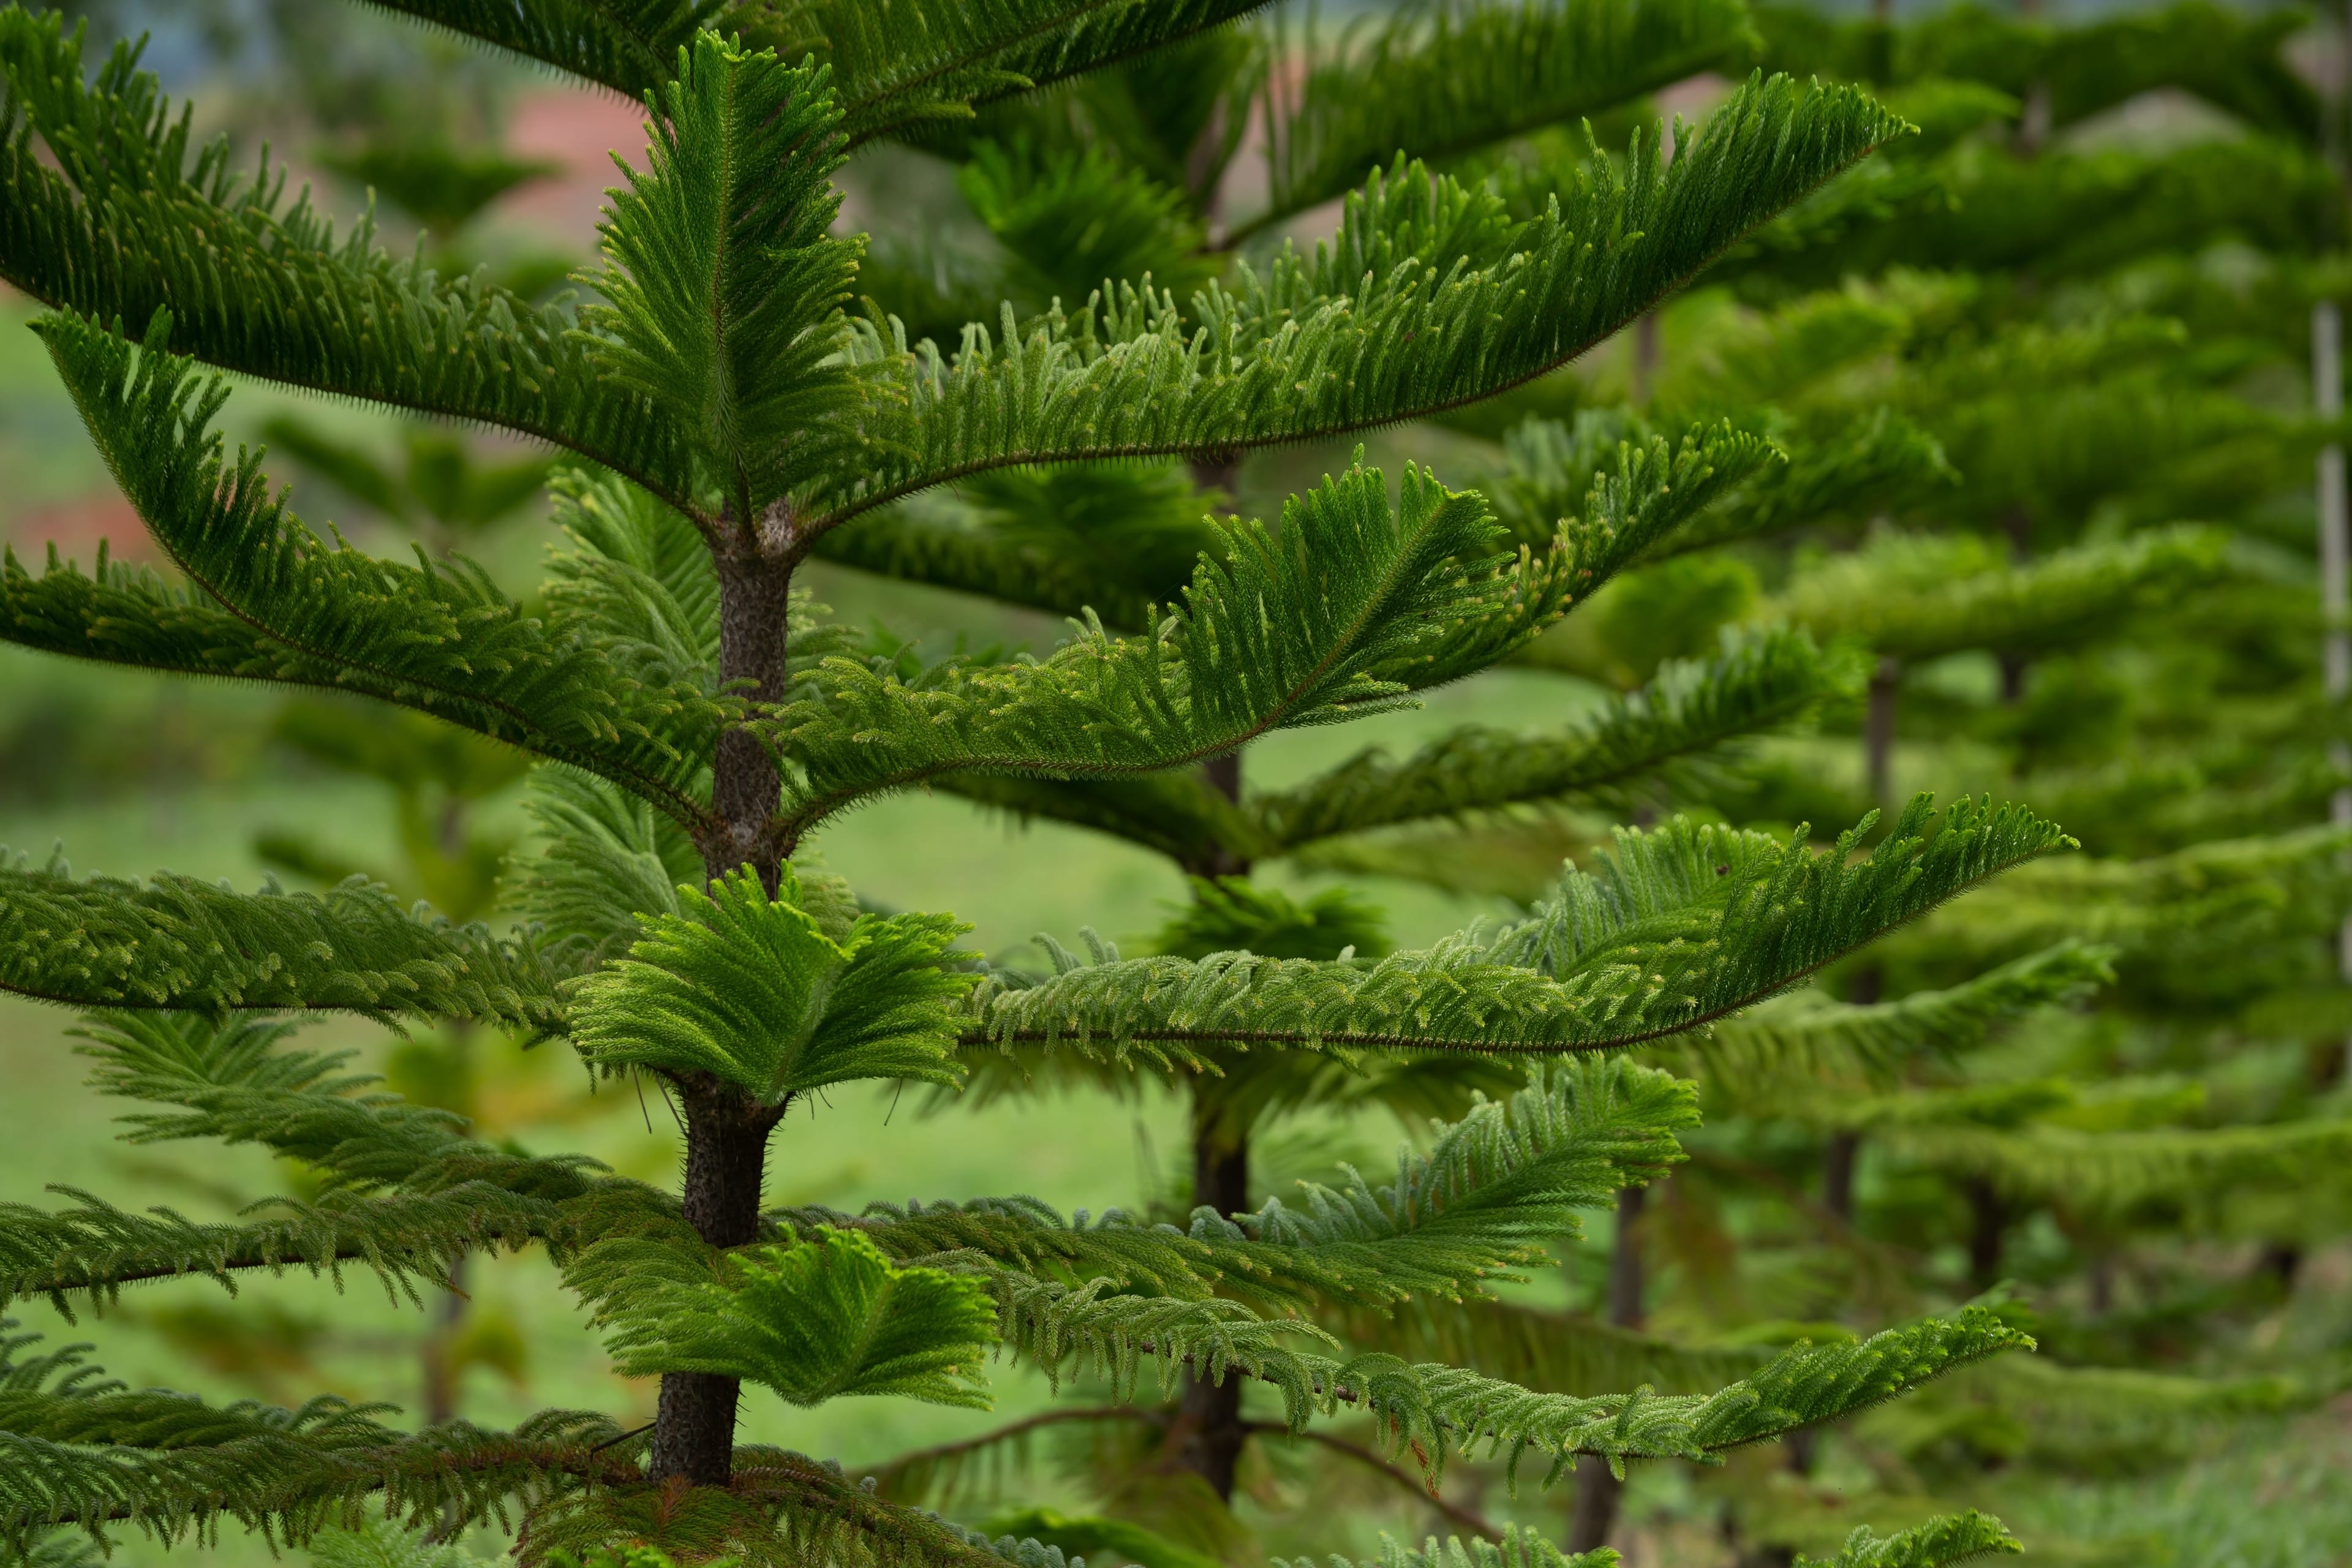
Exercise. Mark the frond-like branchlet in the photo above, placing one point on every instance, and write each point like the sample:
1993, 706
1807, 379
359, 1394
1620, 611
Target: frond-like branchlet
1807, 1040
815, 1321
1488, 1194
1689, 721
109, 217
440, 637
754, 992
1431, 296
1450, 80
1677, 928
1433, 1409
1913, 597
722, 288
1352, 606
1954, 1538
1518, 1549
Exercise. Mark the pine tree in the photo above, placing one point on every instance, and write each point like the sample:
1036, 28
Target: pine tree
729, 406
2042, 626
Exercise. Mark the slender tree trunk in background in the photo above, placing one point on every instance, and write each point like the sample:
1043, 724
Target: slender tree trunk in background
1648, 355
1878, 731
1597, 1491
2017, 523
1988, 1223
440, 1340
2334, 567
1210, 1432
726, 1129
1837, 1174
2103, 1283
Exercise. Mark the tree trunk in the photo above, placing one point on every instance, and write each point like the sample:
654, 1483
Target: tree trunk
1988, 1221
1837, 1174
727, 1130
1210, 1433
1597, 1491
1878, 731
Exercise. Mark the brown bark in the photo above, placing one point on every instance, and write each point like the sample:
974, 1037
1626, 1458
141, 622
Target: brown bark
1210, 1433
727, 1130
1598, 1492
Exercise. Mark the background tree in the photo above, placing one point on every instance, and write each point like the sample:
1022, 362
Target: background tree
729, 412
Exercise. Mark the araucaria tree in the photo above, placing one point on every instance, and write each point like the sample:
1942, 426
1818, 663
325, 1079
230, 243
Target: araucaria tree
729, 404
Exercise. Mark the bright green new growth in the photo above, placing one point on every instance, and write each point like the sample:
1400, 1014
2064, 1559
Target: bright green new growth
754, 992
733, 406
817, 1321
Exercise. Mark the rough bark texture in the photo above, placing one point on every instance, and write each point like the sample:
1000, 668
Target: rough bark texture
1597, 1491
755, 588
727, 1130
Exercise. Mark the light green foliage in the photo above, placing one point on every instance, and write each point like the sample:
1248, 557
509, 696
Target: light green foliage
816, 1320
1919, 597
380, 1544
1692, 720
1955, 1539
176, 942
752, 991
1430, 296
1476, 1204
1518, 1549
1549, 1352
1676, 929
1355, 604
723, 284
1435, 1409
1792, 1046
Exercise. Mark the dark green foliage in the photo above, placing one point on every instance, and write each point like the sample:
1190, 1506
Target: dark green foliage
1458, 79
442, 186
127, 225
739, 408
440, 637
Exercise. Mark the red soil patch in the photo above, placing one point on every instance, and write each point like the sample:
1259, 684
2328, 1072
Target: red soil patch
76, 527
578, 130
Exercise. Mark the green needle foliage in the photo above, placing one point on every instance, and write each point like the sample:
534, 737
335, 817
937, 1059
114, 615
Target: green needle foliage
817, 1321
730, 405
755, 993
